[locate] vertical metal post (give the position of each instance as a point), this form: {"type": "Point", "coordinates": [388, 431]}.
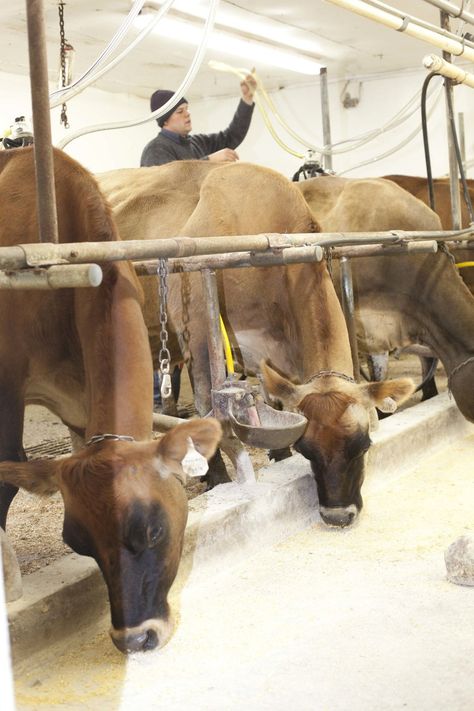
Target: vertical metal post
{"type": "Point", "coordinates": [453, 164]}
{"type": "Point", "coordinates": [347, 302]}
{"type": "Point", "coordinates": [327, 159]}
{"type": "Point", "coordinates": [462, 139]}
{"type": "Point", "coordinates": [45, 195]}
{"type": "Point", "coordinates": [214, 337]}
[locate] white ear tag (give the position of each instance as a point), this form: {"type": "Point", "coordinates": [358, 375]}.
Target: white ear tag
{"type": "Point", "coordinates": [193, 463]}
{"type": "Point", "coordinates": [388, 404]}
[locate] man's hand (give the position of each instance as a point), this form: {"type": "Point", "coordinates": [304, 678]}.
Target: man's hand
{"type": "Point", "coordinates": [223, 156]}
{"type": "Point", "coordinates": [248, 86]}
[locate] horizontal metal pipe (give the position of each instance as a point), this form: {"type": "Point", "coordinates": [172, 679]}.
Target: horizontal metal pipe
{"type": "Point", "coordinates": [453, 10]}
{"type": "Point", "coordinates": [37, 254]}
{"type": "Point", "coordinates": [436, 64]}
{"type": "Point", "coordinates": [407, 25]}
{"type": "Point", "coordinates": [298, 255]}
{"type": "Point", "coordinates": [164, 423]}
{"type": "Point", "coordinates": [55, 277]}
{"type": "Point", "coordinates": [291, 255]}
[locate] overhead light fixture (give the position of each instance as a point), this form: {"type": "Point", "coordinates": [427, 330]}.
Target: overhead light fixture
{"type": "Point", "coordinates": [252, 50]}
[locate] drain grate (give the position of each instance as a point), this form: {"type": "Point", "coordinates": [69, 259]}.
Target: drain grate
{"type": "Point", "coordinates": [49, 450]}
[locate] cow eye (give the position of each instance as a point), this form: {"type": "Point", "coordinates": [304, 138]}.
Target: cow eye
{"type": "Point", "coordinates": [154, 535]}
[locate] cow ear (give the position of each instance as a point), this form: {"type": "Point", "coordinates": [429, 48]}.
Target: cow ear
{"type": "Point", "coordinates": [202, 436]}
{"type": "Point", "coordinates": [38, 477]}
{"type": "Point", "coordinates": [277, 386]}
{"type": "Point", "coordinates": [389, 394]}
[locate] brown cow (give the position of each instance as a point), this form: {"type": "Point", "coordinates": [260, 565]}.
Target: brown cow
{"type": "Point", "coordinates": [84, 354]}
{"type": "Point", "coordinates": [401, 300]}
{"type": "Point", "coordinates": [418, 187]}
{"type": "Point", "coordinates": [289, 315]}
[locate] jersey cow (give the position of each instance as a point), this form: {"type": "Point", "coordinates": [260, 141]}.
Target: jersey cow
{"type": "Point", "coordinates": [418, 187]}
{"type": "Point", "coordinates": [401, 300]}
{"type": "Point", "coordinates": [84, 354]}
{"type": "Point", "coordinates": [289, 316]}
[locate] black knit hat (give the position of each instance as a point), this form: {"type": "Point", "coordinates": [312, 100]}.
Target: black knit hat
{"type": "Point", "coordinates": [159, 98]}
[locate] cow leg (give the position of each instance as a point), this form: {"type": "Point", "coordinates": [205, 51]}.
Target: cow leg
{"type": "Point", "coordinates": [217, 472]}
{"type": "Point", "coordinates": [279, 454]}
{"type": "Point", "coordinates": [11, 446]}
{"type": "Point", "coordinates": [378, 366]}
{"type": "Point", "coordinates": [428, 388]}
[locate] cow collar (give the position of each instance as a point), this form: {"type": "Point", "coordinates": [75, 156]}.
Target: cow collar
{"type": "Point", "coordinates": [330, 374]}
{"type": "Point", "coordinates": [114, 437]}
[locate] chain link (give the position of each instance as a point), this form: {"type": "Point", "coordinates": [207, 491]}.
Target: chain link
{"type": "Point", "coordinates": [62, 55]}
{"type": "Point", "coordinates": [164, 355]}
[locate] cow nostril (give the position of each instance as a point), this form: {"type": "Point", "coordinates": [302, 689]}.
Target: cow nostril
{"type": "Point", "coordinates": [151, 641]}
{"type": "Point", "coordinates": [337, 517]}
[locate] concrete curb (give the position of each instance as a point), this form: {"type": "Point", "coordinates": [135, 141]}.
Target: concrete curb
{"type": "Point", "coordinates": [227, 524]}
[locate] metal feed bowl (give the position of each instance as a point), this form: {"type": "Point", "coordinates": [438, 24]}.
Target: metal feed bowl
{"type": "Point", "coordinates": [278, 428]}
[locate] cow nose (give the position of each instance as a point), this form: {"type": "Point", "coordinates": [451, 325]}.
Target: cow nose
{"type": "Point", "coordinates": [142, 642]}
{"type": "Point", "coordinates": [338, 515]}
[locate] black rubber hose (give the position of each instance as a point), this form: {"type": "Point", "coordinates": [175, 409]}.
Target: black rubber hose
{"type": "Point", "coordinates": [426, 145]}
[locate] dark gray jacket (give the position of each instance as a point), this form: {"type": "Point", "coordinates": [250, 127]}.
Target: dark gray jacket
{"type": "Point", "coordinates": [168, 146]}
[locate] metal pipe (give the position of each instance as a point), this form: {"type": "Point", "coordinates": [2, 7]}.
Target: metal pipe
{"type": "Point", "coordinates": [408, 26]}
{"type": "Point", "coordinates": [32, 255]}
{"type": "Point", "coordinates": [70, 276]}
{"type": "Point", "coordinates": [214, 338]}
{"type": "Point", "coordinates": [456, 217]}
{"type": "Point", "coordinates": [347, 303]}
{"type": "Point", "coordinates": [453, 10]}
{"type": "Point", "coordinates": [440, 66]}
{"type": "Point", "coordinates": [241, 260]}
{"type": "Point", "coordinates": [327, 157]}
{"type": "Point", "coordinates": [164, 423]}
{"type": "Point", "coordinates": [44, 168]}
{"type": "Point", "coordinates": [462, 136]}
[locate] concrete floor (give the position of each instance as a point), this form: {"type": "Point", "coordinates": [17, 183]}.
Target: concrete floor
{"type": "Point", "coordinates": [361, 619]}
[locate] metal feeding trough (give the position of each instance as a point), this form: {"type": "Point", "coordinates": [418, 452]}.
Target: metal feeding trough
{"type": "Point", "coordinates": [254, 422]}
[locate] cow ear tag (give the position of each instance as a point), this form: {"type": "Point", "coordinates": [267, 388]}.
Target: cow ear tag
{"type": "Point", "coordinates": [193, 463]}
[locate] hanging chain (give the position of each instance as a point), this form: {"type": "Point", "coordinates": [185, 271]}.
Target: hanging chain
{"type": "Point", "coordinates": [62, 56]}
{"type": "Point", "coordinates": [164, 356]}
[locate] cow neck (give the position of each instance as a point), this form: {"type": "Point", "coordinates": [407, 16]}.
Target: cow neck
{"type": "Point", "coordinates": [322, 343]}
{"type": "Point", "coordinates": [117, 359]}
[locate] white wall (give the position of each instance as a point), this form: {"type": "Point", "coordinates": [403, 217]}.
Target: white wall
{"type": "Point", "coordinates": [97, 151]}
{"type": "Point", "coordinates": [381, 99]}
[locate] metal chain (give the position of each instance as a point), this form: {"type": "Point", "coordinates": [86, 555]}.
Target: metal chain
{"type": "Point", "coordinates": [164, 356]}
{"type": "Point", "coordinates": [62, 55]}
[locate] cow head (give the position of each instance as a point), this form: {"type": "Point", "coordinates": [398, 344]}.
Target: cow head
{"type": "Point", "coordinates": [337, 435]}
{"type": "Point", "coordinates": [125, 506]}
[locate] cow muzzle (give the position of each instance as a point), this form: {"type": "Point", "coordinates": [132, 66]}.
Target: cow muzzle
{"type": "Point", "coordinates": [151, 634]}
{"type": "Point", "coordinates": [339, 515]}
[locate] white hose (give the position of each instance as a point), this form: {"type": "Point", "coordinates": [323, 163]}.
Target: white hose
{"type": "Point", "coordinates": [76, 88]}
{"type": "Point", "coordinates": [179, 93]}
{"type": "Point", "coordinates": [114, 42]}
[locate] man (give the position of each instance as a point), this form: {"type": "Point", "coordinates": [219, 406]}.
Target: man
{"type": "Point", "coordinates": [174, 142]}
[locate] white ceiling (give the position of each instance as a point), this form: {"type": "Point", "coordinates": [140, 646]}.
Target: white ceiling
{"type": "Point", "coordinates": [349, 45]}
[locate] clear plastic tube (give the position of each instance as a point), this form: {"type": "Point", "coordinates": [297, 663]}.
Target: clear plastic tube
{"type": "Point", "coordinates": [115, 41]}
{"type": "Point", "coordinates": [196, 63]}
{"type": "Point", "coordinates": [74, 90]}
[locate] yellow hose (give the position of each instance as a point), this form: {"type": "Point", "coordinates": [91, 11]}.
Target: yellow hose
{"type": "Point", "coordinates": [461, 265]}
{"type": "Point", "coordinates": [242, 73]}
{"type": "Point", "coordinates": [229, 361]}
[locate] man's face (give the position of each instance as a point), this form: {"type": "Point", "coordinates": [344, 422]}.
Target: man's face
{"type": "Point", "coordinates": [179, 121]}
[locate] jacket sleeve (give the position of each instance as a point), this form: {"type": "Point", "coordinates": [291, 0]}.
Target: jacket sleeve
{"type": "Point", "coordinates": [232, 136]}
{"type": "Point", "coordinates": [156, 154]}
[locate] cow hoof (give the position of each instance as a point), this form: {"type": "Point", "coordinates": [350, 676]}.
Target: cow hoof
{"type": "Point", "coordinates": [11, 570]}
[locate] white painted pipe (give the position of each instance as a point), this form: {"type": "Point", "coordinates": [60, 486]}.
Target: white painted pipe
{"type": "Point", "coordinates": [437, 64]}
{"type": "Point", "coordinates": [453, 10]}
{"type": "Point", "coordinates": [59, 276]}
{"type": "Point", "coordinates": [407, 25]}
